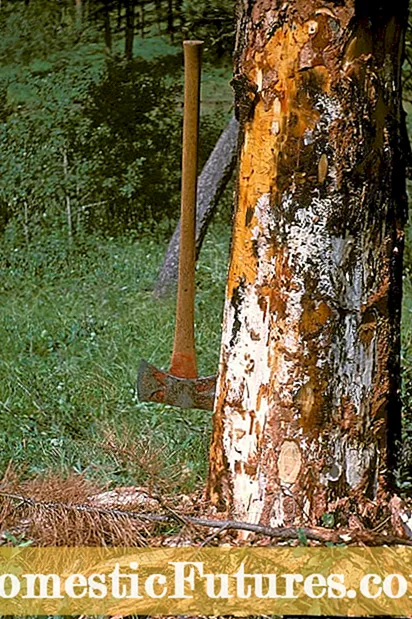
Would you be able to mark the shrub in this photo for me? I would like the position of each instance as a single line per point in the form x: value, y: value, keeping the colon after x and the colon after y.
x: 132, y: 141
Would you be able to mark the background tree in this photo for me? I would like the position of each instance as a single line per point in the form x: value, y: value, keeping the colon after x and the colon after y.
x: 129, y: 38
x: 308, y: 405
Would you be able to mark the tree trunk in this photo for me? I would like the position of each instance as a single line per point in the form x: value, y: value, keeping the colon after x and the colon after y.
x: 107, y: 26
x: 128, y: 51
x: 211, y: 184
x: 307, y: 411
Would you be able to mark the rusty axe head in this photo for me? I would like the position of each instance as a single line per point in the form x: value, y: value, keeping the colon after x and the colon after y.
x: 155, y: 385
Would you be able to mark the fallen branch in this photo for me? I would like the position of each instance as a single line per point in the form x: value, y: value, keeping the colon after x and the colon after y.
x: 318, y: 534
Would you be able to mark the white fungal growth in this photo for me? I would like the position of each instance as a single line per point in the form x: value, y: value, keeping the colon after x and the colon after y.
x: 358, y: 460
x: 275, y: 127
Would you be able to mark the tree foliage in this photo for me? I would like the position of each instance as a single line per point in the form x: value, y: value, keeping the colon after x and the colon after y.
x: 132, y: 140
x: 88, y: 138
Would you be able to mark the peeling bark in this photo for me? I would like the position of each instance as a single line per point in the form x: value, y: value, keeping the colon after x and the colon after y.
x: 308, y: 401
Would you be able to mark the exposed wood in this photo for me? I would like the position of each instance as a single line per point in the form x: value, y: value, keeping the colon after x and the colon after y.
x: 308, y: 399
x: 211, y: 184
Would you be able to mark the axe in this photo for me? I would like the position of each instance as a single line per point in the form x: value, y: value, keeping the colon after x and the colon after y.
x: 181, y: 386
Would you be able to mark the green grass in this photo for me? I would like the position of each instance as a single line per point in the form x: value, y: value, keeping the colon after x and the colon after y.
x: 73, y: 328
x: 73, y: 325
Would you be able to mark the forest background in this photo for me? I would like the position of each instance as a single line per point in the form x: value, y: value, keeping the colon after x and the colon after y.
x: 90, y: 150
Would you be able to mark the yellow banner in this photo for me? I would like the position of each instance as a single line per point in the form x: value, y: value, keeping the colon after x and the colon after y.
x: 212, y: 581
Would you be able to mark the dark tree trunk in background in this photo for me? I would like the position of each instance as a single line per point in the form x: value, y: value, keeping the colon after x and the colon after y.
x: 212, y: 182
x: 308, y: 399
x: 128, y: 51
x: 107, y: 26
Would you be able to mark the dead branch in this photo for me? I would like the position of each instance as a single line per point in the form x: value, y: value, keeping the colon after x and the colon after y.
x: 211, y: 184
x: 318, y: 534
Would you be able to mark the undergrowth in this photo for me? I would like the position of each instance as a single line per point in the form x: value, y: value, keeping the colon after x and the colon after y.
x: 73, y: 326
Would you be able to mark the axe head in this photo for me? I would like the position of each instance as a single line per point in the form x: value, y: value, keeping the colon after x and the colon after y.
x: 155, y: 385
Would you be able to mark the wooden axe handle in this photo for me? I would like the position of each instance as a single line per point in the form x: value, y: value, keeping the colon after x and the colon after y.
x: 183, y: 363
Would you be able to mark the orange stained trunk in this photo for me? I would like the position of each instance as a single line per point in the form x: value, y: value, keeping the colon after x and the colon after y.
x: 309, y: 366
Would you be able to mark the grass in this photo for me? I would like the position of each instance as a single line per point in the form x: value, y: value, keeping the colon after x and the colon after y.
x: 74, y: 324
x: 73, y: 328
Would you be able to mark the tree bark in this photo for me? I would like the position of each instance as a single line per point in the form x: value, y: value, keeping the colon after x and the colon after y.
x: 211, y: 184
x: 107, y: 26
x: 128, y: 51
x: 307, y: 411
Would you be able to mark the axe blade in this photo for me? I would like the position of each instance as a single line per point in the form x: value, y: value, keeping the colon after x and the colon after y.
x: 154, y: 385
